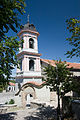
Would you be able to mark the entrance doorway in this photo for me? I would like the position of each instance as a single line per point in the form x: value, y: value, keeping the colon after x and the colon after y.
x: 28, y: 95
x: 29, y: 99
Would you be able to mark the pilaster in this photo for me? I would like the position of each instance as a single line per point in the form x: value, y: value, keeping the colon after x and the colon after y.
x: 25, y: 42
x: 24, y: 64
x: 27, y: 63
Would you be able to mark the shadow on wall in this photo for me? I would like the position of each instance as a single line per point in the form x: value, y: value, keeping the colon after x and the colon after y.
x: 8, y: 116
x: 43, y: 113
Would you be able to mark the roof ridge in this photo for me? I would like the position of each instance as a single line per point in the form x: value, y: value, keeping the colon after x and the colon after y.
x: 52, y: 62
x: 62, y: 61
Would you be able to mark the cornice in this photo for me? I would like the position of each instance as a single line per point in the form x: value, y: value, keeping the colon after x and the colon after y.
x: 28, y: 53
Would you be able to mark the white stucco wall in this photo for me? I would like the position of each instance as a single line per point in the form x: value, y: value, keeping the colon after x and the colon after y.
x: 32, y: 73
x: 37, y: 80
x: 29, y: 50
x: 18, y: 100
x: 6, y: 97
x: 76, y: 73
x: 43, y: 94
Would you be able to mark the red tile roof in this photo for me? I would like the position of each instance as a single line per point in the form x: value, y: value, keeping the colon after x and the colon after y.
x: 12, y: 84
x: 39, y: 85
x: 28, y: 31
x: 52, y: 62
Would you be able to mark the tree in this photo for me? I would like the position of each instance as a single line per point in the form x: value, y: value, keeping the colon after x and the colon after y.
x: 9, y: 11
x: 8, y: 59
x: 59, y: 75
x: 73, y: 25
x: 59, y: 78
x: 76, y: 85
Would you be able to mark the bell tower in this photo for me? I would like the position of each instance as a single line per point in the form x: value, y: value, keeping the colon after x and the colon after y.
x: 29, y: 69
x: 28, y: 76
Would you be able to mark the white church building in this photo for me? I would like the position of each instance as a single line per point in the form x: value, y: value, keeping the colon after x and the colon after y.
x: 29, y: 76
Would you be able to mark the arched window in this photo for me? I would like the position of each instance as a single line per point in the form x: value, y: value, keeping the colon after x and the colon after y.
x: 31, y: 65
x: 31, y: 43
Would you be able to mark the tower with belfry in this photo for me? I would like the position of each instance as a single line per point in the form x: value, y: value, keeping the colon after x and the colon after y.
x: 28, y: 77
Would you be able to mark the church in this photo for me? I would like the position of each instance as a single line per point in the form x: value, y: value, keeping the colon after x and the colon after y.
x: 29, y: 74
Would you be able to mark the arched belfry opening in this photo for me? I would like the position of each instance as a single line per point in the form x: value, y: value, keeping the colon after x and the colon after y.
x: 31, y: 65
x: 31, y: 43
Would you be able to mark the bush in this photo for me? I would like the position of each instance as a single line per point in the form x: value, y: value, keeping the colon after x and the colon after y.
x: 1, y: 89
x: 11, y: 101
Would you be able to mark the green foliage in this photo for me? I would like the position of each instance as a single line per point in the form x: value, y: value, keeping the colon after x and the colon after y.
x: 59, y: 76
x: 76, y: 85
x: 73, y: 25
x: 8, y: 59
x: 11, y: 101
x: 1, y: 89
x: 9, y: 11
x: 3, y: 85
x: 12, y: 81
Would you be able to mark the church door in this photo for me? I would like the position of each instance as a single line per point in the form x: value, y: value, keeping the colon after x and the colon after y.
x: 28, y: 100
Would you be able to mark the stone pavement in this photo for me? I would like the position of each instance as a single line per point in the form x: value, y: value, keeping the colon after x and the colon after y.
x: 34, y: 113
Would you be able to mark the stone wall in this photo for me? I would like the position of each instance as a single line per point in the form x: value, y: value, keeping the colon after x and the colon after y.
x: 6, y: 97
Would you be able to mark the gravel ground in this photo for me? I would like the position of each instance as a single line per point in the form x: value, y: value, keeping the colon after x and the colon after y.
x: 38, y: 113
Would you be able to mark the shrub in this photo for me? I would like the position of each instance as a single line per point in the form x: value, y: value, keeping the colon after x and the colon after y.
x: 11, y: 101
x: 1, y: 89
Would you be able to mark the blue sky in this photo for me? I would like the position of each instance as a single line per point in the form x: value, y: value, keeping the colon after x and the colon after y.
x: 49, y: 18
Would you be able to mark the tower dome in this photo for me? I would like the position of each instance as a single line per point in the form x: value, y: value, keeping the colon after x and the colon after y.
x: 29, y: 26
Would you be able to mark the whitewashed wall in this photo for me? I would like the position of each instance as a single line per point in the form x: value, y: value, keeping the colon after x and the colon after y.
x: 6, y: 97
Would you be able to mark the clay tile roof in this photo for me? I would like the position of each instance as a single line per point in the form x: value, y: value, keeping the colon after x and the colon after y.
x: 74, y: 65
x: 32, y: 82
x: 51, y: 62
x: 70, y: 65
x: 12, y: 84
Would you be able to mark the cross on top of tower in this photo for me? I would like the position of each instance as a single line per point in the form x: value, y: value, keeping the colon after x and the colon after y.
x: 28, y: 18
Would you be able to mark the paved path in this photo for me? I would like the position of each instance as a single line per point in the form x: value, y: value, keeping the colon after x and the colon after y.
x: 38, y: 113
